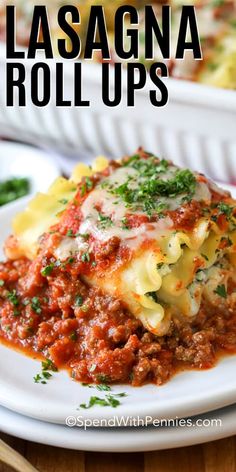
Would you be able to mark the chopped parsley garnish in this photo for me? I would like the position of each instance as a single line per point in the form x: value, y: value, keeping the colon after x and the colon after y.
x: 78, y: 300
x: 49, y: 365
x: 1, y: 283
x: 13, y: 188
x: 86, y: 186
x: 112, y: 401
x: 74, y: 336
x: 132, y: 159
x: 70, y: 233
x: 160, y: 207
x: 147, y: 167
x: 221, y: 291
x: 100, y: 387
x: 84, y: 236
x: 41, y: 378
x: 92, y: 368
x: 125, y: 223
x: 16, y: 312
x: 89, y: 183
x: 47, y: 270
x: 85, y: 257
x: 104, y: 387
x: 45, y: 374
x: 37, y: 378
x: 64, y: 201
x: 12, y: 297
x: 83, y: 190
x: 150, y: 186
x: 103, y: 378
x: 94, y: 401
x: 26, y: 301
x: 109, y: 400
x: 35, y: 305
x: 104, y: 221
x: 225, y: 209
x: 70, y: 260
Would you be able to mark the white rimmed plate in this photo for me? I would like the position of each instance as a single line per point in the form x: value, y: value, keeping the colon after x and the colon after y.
x: 203, y: 429
x: 188, y: 393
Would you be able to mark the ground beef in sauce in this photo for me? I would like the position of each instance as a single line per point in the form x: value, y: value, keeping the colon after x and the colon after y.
x: 94, y: 336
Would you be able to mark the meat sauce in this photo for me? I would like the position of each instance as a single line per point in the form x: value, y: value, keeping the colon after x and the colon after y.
x: 94, y: 336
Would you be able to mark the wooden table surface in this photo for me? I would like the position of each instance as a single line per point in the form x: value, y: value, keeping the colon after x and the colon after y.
x: 217, y: 456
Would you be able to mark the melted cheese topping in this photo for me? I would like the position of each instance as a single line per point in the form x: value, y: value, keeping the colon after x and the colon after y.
x: 103, y: 201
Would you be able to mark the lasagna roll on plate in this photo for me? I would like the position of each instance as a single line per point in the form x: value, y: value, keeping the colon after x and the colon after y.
x: 159, y: 238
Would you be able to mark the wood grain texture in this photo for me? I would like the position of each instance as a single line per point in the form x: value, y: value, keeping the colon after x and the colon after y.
x: 14, y: 459
x: 217, y: 456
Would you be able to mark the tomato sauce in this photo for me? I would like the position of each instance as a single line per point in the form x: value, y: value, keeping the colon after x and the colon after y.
x: 94, y: 336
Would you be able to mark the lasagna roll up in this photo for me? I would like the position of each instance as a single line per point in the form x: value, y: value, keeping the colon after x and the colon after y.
x: 154, y: 236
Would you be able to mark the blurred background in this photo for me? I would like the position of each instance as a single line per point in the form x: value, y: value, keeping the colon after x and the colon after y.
x: 195, y: 129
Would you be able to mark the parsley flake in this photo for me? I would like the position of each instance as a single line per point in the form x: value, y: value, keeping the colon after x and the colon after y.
x: 70, y: 233
x: 84, y: 236
x: 109, y: 400
x: 48, y: 365
x: 74, y: 336
x: 47, y: 270
x: 225, y: 209
x: 221, y: 291
x: 104, y: 221
x: 35, y: 305
x: 85, y: 257
x: 46, y: 374
x: 104, y: 387
x: 142, y: 192
x: 12, y: 297
x: 78, y: 300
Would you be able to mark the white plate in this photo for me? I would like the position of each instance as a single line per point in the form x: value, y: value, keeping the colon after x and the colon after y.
x: 122, y: 439
x: 20, y: 160
x: 188, y: 393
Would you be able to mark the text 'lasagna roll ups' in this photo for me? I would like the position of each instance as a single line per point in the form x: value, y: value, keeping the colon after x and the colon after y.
x: 154, y: 236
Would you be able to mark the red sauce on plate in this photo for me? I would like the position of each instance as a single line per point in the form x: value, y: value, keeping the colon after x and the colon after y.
x: 94, y: 336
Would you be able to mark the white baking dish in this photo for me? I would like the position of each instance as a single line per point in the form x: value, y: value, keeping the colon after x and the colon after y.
x: 197, y: 128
